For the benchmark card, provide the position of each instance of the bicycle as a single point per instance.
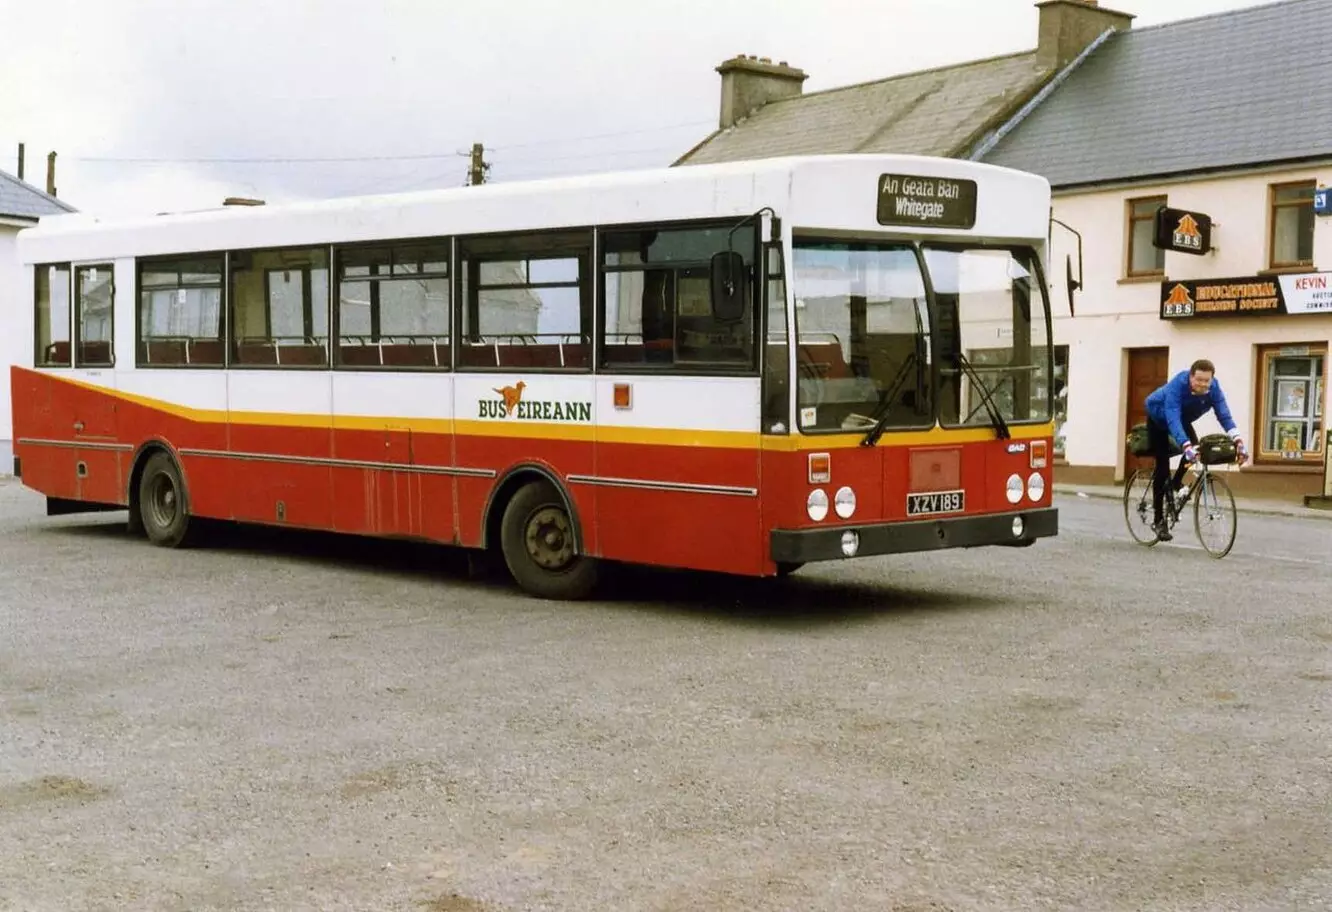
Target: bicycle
(1208, 490)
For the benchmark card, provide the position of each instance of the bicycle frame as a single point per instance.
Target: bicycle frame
(1209, 492)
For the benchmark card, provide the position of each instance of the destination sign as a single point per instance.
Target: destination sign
(936, 202)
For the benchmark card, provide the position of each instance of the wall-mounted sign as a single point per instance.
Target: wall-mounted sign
(1254, 296)
(931, 202)
(1322, 201)
(1183, 231)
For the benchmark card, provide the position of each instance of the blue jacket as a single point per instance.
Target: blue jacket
(1174, 404)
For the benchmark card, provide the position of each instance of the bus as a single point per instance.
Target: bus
(741, 368)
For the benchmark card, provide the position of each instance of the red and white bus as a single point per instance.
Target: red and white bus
(740, 368)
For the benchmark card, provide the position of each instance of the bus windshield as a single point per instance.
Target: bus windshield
(869, 336)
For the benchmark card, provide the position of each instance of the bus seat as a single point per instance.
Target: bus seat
(205, 352)
(419, 354)
(302, 355)
(95, 352)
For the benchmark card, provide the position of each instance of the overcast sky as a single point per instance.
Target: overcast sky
(405, 87)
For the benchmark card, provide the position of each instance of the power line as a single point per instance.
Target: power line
(350, 159)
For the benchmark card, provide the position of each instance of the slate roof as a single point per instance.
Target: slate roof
(1247, 87)
(940, 111)
(19, 199)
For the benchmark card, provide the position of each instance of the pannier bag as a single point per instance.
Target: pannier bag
(1216, 449)
(1139, 442)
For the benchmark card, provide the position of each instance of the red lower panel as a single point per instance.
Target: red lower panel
(701, 530)
(105, 470)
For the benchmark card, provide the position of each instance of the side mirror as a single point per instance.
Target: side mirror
(1072, 284)
(729, 283)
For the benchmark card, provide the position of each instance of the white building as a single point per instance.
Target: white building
(21, 205)
(1244, 144)
(1225, 116)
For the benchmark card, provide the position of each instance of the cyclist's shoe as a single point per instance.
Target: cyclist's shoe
(1162, 530)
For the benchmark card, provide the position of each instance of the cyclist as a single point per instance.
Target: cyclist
(1171, 410)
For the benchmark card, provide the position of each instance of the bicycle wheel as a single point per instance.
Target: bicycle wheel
(1138, 507)
(1214, 509)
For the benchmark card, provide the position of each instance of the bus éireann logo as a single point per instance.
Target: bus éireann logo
(513, 395)
(511, 404)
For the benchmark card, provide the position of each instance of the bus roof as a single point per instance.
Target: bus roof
(723, 190)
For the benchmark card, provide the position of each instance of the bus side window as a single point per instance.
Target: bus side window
(52, 325)
(393, 306)
(526, 301)
(180, 312)
(280, 307)
(656, 300)
(94, 290)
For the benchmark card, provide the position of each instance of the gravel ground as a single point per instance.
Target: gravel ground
(290, 722)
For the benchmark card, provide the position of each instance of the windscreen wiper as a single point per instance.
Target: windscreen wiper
(996, 417)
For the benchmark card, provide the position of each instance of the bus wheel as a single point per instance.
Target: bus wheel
(162, 508)
(786, 568)
(537, 538)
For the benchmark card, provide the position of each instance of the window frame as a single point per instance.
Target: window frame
(1131, 221)
(758, 284)
(466, 288)
(76, 311)
(1264, 419)
(38, 362)
(224, 324)
(229, 303)
(391, 244)
(1274, 207)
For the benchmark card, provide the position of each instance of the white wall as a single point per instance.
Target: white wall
(14, 344)
(1115, 314)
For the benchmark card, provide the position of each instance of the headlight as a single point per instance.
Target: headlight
(817, 504)
(845, 502)
(1014, 491)
(1035, 486)
(1018, 526)
(850, 543)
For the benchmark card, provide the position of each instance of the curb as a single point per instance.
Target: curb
(1296, 512)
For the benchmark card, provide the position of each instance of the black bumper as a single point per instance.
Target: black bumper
(806, 545)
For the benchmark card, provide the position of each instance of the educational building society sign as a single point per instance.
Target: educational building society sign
(1254, 296)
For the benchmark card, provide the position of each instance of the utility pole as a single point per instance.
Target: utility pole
(476, 174)
(20, 173)
(50, 174)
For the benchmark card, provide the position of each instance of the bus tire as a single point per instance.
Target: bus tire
(537, 539)
(786, 568)
(163, 504)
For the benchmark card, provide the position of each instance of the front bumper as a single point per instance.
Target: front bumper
(806, 545)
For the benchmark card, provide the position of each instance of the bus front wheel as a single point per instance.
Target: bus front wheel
(162, 502)
(537, 538)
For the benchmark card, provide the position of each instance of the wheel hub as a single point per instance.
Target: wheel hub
(549, 539)
(163, 501)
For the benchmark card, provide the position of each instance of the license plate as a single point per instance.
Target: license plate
(936, 502)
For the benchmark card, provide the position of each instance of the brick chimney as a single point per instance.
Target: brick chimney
(1068, 26)
(748, 83)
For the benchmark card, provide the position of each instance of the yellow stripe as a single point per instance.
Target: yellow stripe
(554, 430)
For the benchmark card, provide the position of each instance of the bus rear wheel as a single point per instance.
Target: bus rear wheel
(162, 502)
(537, 538)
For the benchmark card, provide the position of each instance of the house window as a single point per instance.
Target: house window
(1292, 220)
(1059, 381)
(1144, 258)
(1292, 404)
